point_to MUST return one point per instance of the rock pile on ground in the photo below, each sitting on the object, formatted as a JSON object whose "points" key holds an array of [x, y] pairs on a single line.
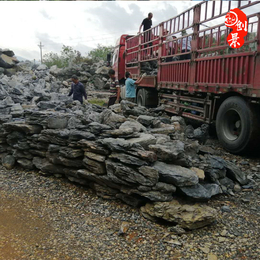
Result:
{"points": [[7, 61], [26, 80], [94, 76], [127, 152], [36, 87]]}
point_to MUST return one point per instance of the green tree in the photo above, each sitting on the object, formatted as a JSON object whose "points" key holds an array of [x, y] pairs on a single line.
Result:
{"points": [[66, 57], [100, 53]]}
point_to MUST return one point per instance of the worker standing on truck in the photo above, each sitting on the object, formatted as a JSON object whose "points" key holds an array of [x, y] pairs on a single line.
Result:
{"points": [[130, 86], [77, 89], [185, 47], [114, 89], [170, 47], [147, 24]]}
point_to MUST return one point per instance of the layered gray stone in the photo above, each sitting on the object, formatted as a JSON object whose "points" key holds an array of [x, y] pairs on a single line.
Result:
{"points": [[169, 151], [144, 140], [201, 192], [94, 166], [75, 135], [164, 187], [127, 159], [126, 175], [178, 119], [111, 119], [17, 154], [176, 175], [188, 216], [212, 188], [59, 137], [95, 157], [104, 192], [70, 153], [57, 159], [146, 120], [8, 162], [117, 144], [236, 174], [144, 155], [44, 165], [38, 153], [25, 128], [136, 126], [73, 122], [130, 199], [42, 67], [97, 128], [57, 122], [21, 145], [7, 102], [216, 168], [93, 147], [150, 173], [122, 133], [228, 183], [25, 163], [101, 179], [151, 195], [102, 70], [163, 130]]}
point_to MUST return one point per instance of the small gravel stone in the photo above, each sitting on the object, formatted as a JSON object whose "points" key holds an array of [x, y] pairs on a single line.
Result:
{"points": [[237, 188], [225, 209]]}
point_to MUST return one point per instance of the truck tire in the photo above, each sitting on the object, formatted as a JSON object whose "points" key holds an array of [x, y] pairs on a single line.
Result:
{"points": [[147, 98], [141, 98], [237, 125]]}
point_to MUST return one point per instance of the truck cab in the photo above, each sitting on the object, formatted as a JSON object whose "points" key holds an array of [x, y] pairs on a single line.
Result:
{"points": [[118, 58]]}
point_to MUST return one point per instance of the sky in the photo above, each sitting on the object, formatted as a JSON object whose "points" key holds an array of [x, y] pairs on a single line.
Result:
{"points": [[79, 24]]}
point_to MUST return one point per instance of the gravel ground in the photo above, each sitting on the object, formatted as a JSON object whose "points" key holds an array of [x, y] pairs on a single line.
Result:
{"points": [[50, 218]]}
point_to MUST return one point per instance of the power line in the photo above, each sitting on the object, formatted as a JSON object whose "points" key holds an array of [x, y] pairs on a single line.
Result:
{"points": [[41, 46]]}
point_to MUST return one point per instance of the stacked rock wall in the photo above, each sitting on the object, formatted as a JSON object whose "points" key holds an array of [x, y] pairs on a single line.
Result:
{"points": [[117, 156]]}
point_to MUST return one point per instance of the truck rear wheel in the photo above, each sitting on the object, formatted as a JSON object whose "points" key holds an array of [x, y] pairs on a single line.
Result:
{"points": [[147, 98], [141, 98], [237, 125]]}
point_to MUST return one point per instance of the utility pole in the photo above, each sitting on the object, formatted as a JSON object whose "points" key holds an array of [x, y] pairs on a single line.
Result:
{"points": [[41, 46]]}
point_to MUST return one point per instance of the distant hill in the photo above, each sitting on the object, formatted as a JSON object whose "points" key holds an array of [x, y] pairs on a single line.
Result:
{"points": [[20, 58], [24, 59]]}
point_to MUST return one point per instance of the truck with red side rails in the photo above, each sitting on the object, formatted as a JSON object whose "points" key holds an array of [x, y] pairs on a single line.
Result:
{"points": [[217, 84]]}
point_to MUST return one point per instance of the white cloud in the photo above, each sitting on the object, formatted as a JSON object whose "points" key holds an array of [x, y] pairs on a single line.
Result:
{"points": [[81, 25]]}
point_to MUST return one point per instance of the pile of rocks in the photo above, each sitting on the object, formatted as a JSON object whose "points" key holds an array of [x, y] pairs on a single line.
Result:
{"points": [[94, 76], [26, 75], [7, 61], [38, 87], [127, 152], [149, 68]]}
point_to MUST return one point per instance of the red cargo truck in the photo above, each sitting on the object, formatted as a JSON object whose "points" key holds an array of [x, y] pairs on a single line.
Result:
{"points": [[216, 84]]}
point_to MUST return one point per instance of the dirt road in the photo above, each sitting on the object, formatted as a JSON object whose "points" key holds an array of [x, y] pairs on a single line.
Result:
{"points": [[50, 218]]}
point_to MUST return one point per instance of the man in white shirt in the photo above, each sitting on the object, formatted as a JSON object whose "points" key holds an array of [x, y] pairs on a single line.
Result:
{"points": [[186, 47], [170, 47]]}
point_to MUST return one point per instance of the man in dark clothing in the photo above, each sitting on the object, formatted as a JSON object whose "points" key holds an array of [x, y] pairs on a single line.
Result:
{"points": [[77, 89], [147, 24]]}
